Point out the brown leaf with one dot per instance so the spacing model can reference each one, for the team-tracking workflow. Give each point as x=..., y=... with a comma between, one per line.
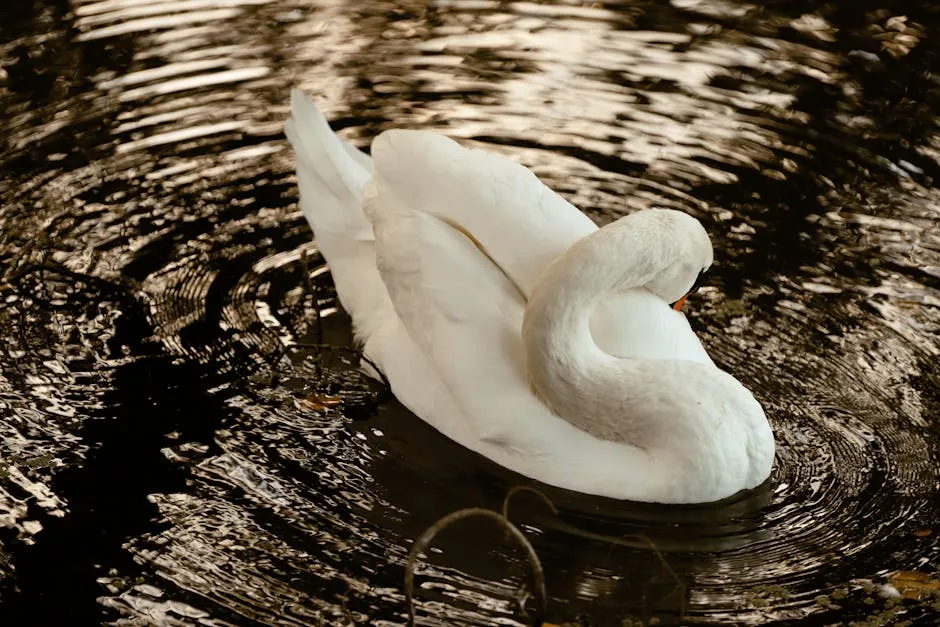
x=914, y=584
x=318, y=402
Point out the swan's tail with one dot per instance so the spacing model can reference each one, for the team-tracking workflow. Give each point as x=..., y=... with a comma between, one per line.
x=331, y=177
x=331, y=174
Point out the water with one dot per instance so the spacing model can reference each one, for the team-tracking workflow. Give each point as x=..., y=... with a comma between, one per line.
x=176, y=451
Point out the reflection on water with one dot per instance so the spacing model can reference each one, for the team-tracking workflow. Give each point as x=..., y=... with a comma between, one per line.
x=168, y=454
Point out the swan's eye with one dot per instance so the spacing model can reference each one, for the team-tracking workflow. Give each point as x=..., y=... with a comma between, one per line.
x=699, y=280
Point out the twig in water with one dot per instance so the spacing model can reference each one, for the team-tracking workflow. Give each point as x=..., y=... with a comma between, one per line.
x=662, y=560
x=41, y=238
x=365, y=358
x=538, y=576
x=314, y=291
x=634, y=537
x=524, y=488
x=358, y=351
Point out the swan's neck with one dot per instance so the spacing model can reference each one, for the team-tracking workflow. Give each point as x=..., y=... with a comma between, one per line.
x=568, y=371
x=689, y=426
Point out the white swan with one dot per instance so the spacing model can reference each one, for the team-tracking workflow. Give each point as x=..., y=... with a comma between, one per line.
x=506, y=319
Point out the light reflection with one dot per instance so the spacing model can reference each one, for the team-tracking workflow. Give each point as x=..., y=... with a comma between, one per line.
x=170, y=137
x=194, y=82
x=154, y=23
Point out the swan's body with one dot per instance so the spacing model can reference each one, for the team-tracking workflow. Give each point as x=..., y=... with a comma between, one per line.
x=505, y=318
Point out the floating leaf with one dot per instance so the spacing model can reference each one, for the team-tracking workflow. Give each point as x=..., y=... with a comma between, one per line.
x=914, y=584
x=318, y=402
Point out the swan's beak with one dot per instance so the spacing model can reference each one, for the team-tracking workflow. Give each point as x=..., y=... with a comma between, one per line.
x=679, y=303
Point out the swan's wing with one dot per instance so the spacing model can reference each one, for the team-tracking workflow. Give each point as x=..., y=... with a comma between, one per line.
x=520, y=223
x=458, y=307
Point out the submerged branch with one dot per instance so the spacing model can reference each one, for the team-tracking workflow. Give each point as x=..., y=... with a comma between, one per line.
x=538, y=576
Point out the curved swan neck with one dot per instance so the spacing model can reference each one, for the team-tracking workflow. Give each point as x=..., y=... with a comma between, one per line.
x=567, y=369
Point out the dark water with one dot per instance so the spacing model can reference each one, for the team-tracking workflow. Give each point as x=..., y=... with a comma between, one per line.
x=167, y=457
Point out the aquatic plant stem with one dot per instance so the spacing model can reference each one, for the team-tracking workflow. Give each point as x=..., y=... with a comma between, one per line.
x=524, y=488
x=538, y=575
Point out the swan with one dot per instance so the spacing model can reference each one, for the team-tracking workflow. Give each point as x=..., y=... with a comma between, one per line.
x=505, y=318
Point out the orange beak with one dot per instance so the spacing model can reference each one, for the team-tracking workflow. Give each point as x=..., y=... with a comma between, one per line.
x=679, y=303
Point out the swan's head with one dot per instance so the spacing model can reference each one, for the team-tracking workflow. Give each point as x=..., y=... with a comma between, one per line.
x=677, y=248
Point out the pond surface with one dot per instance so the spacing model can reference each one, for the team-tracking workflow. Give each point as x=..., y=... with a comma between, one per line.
x=185, y=439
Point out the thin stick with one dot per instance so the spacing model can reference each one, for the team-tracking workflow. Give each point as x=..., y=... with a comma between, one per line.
x=372, y=364
x=538, y=576
x=645, y=539
x=662, y=560
x=362, y=356
x=40, y=238
x=314, y=291
x=524, y=488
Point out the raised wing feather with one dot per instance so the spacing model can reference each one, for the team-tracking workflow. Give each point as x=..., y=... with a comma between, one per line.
x=520, y=223
x=463, y=313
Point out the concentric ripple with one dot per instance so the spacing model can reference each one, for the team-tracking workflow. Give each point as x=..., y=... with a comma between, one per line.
x=187, y=438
